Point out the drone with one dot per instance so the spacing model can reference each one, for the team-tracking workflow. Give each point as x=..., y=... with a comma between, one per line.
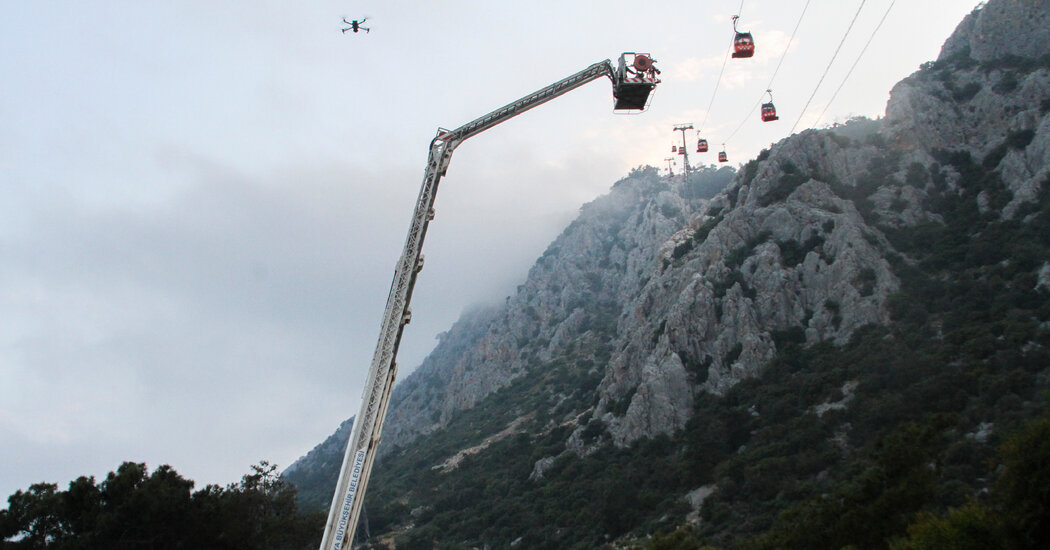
x=355, y=25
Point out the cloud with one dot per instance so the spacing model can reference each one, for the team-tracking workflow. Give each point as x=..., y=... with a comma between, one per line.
x=234, y=300
x=235, y=317
x=693, y=69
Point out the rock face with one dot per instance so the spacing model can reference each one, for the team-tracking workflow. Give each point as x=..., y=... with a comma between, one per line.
x=1000, y=29
x=779, y=252
x=985, y=95
x=664, y=290
x=572, y=297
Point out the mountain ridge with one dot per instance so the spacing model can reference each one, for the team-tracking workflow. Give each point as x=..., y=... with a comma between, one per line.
x=724, y=357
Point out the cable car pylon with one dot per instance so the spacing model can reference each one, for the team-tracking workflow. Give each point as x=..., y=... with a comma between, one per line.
x=682, y=150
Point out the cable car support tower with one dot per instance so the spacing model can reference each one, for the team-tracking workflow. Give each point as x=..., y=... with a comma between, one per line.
x=633, y=79
x=682, y=150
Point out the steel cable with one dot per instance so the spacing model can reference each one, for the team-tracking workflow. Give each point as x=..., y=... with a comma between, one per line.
x=828, y=68
x=854, y=66
x=775, y=71
x=719, y=81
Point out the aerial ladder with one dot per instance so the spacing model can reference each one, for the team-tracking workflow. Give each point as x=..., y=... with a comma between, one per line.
x=633, y=79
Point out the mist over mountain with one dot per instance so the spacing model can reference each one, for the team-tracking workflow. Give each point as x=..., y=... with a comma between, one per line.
x=714, y=355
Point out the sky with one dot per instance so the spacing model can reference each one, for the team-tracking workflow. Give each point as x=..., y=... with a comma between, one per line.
x=203, y=202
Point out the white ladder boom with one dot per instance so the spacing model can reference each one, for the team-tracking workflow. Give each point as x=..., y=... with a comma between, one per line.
x=631, y=89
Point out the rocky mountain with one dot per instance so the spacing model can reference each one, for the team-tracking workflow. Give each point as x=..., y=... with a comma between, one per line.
x=860, y=297
x=570, y=300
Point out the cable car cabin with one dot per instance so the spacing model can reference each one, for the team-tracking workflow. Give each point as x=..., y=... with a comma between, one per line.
x=722, y=157
x=681, y=150
x=769, y=112
x=674, y=148
x=701, y=146
x=633, y=82
x=743, y=45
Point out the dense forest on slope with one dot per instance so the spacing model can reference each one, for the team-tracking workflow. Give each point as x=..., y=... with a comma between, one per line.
x=886, y=502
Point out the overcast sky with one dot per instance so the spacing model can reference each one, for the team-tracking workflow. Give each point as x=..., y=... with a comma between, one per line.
x=203, y=202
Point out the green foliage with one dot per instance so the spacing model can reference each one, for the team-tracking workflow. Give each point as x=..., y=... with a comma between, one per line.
x=959, y=60
x=707, y=181
x=1015, y=515
x=1022, y=65
x=619, y=407
x=879, y=173
x=133, y=508
x=735, y=277
x=1024, y=488
x=670, y=211
x=683, y=248
x=917, y=175
x=1016, y=140
x=790, y=178
x=698, y=369
x=737, y=256
x=792, y=252
x=1020, y=139
x=751, y=167
x=705, y=229
x=865, y=281
x=750, y=171
x=972, y=527
x=1007, y=83
x=641, y=172
x=578, y=504
x=856, y=129
x=733, y=194
x=894, y=482
x=965, y=93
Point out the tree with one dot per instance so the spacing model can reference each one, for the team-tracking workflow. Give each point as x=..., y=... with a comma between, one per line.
x=972, y=527
x=135, y=509
x=33, y=517
x=1024, y=487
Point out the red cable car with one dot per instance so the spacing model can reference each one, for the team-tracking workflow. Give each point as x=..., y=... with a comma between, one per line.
x=674, y=148
x=722, y=157
x=701, y=146
x=769, y=112
x=743, y=42
x=681, y=150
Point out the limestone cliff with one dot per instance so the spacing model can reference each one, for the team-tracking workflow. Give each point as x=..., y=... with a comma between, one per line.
x=570, y=298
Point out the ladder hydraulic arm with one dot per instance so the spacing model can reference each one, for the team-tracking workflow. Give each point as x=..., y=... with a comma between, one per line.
x=631, y=88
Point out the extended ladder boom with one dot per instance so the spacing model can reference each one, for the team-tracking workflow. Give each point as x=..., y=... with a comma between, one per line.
x=632, y=92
